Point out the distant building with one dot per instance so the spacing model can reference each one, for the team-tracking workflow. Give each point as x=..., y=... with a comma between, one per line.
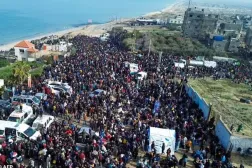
x=176, y=20
x=197, y=24
x=25, y=50
x=247, y=23
x=234, y=45
x=221, y=43
x=231, y=30
x=61, y=47
x=104, y=37
x=143, y=21
x=220, y=46
x=248, y=38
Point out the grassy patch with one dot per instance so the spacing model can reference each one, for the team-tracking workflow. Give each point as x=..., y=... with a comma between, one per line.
x=224, y=95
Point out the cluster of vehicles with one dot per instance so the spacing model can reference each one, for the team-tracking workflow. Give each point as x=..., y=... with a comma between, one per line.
x=134, y=70
x=59, y=87
x=18, y=119
x=20, y=122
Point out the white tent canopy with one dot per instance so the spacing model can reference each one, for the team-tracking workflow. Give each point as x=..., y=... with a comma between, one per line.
x=160, y=136
x=179, y=65
x=209, y=64
x=196, y=63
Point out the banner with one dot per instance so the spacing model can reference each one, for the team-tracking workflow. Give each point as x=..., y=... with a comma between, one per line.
x=160, y=136
x=156, y=106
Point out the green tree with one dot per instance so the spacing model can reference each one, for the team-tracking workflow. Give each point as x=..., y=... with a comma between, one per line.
x=21, y=71
x=4, y=63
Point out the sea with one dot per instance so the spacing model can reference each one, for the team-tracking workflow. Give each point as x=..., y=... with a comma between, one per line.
x=24, y=19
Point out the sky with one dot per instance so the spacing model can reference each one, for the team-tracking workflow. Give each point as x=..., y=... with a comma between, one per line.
x=241, y=3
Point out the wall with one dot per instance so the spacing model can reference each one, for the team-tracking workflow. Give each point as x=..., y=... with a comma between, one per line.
x=223, y=134
x=241, y=142
x=233, y=46
x=226, y=138
x=220, y=45
x=198, y=100
x=31, y=59
x=19, y=55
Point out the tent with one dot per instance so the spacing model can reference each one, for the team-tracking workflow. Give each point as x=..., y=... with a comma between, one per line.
x=160, y=136
x=180, y=65
x=209, y=64
x=196, y=63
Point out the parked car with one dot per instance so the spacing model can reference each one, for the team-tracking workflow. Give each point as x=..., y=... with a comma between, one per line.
x=57, y=90
x=43, y=121
x=53, y=84
x=21, y=115
x=29, y=100
x=5, y=109
x=41, y=96
x=141, y=75
x=20, y=131
x=97, y=92
x=244, y=100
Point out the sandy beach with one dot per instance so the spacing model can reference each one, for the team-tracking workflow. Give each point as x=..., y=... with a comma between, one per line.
x=96, y=30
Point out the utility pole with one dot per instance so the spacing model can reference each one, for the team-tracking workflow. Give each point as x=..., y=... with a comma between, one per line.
x=159, y=60
x=182, y=84
x=149, y=49
x=189, y=4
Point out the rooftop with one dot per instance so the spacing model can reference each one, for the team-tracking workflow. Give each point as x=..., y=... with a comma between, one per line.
x=25, y=44
x=32, y=50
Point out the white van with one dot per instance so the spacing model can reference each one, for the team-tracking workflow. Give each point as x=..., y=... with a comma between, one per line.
x=141, y=75
x=43, y=121
x=133, y=68
x=21, y=116
x=20, y=131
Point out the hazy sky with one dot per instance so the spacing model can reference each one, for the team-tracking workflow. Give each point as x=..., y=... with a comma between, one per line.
x=245, y=3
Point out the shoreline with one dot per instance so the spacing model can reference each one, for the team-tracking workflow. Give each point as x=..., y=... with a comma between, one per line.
x=10, y=45
x=94, y=30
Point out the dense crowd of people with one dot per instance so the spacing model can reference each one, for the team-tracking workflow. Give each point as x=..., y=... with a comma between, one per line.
x=118, y=120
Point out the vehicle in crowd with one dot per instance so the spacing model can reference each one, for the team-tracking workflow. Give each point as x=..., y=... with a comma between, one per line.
x=43, y=121
x=30, y=93
x=53, y=84
x=57, y=90
x=97, y=92
x=30, y=121
x=5, y=108
x=20, y=131
x=21, y=115
x=132, y=67
x=41, y=96
x=141, y=75
x=244, y=100
x=26, y=99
